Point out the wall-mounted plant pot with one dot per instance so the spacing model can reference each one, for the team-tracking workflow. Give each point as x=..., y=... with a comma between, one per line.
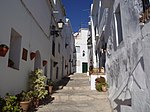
x=32, y=55
x=44, y=62
x=3, y=50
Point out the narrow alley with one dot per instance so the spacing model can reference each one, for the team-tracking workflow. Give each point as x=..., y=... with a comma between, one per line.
x=76, y=96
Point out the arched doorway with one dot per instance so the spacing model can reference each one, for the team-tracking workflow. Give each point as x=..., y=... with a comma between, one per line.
x=37, y=62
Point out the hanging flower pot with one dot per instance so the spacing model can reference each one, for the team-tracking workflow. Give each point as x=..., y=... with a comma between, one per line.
x=32, y=55
x=3, y=50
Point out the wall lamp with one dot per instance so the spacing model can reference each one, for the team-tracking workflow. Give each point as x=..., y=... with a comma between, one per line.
x=60, y=24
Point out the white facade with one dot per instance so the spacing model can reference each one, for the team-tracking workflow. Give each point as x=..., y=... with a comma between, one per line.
x=123, y=26
x=26, y=27
x=81, y=50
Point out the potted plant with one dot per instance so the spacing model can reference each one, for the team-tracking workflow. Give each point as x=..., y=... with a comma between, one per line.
x=50, y=85
x=11, y=104
x=101, y=84
x=37, y=85
x=25, y=99
x=104, y=87
x=3, y=50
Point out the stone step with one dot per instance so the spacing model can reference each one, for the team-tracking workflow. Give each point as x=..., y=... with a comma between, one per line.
x=78, y=96
x=77, y=84
x=80, y=77
x=78, y=92
x=75, y=88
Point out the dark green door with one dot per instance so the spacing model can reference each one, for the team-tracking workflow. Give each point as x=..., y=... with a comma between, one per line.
x=84, y=67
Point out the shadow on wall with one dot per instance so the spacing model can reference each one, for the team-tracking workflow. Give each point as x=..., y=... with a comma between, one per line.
x=119, y=102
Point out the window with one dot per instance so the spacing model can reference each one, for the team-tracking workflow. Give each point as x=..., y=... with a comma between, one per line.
x=118, y=26
x=59, y=47
x=78, y=49
x=54, y=1
x=53, y=48
x=15, y=50
x=146, y=4
x=83, y=53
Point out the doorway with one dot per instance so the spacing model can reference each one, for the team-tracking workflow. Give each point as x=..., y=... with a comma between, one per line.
x=84, y=67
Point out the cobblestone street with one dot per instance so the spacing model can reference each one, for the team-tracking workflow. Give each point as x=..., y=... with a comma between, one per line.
x=76, y=96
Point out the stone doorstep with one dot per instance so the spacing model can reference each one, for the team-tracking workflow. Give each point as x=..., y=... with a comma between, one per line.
x=76, y=88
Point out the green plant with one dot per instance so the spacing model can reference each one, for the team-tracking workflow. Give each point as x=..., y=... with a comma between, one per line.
x=37, y=84
x=100, y=80
x=99, y=86
x=11, y=104
x=25, y=96
x=50, y=82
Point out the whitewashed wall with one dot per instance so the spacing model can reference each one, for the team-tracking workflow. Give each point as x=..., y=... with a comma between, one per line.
x=127, y=65
x=81, y=40
x=32, y=20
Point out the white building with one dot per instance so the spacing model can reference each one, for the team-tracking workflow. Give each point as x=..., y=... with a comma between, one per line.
x=29, y=29
x=81, y=50
x=122, y=29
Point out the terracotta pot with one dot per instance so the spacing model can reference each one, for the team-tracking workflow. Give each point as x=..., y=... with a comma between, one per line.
x=104, y=88
x=44, y=62
x=50, y=89
x=3, y=51
x=25, y=105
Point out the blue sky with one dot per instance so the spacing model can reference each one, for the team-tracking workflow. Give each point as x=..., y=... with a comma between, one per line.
x=78, y=12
